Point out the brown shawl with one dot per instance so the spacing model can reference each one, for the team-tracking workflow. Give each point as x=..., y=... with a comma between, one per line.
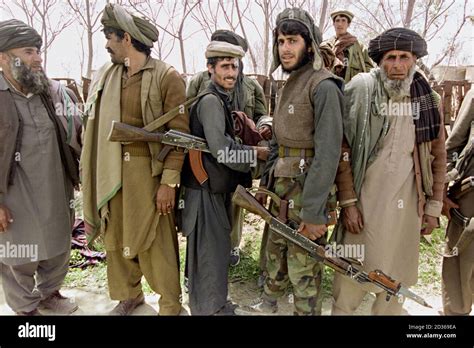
x=342, y=43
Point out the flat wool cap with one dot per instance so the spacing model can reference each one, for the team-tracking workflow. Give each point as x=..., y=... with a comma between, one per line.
x=345, y=13
x=224, y=49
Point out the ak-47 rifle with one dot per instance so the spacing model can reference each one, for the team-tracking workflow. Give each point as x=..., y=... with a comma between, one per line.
x=124, y=133
x=342, y=265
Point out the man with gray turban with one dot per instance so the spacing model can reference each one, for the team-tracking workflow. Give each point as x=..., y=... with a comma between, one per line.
x=128, y=194
x=38, y=172
x=305, y=152
x=396, y=136
x=207, y=219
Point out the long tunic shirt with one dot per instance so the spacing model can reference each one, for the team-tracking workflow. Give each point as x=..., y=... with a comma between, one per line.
x=39, y=196
x=388, y=203
x=207, y=221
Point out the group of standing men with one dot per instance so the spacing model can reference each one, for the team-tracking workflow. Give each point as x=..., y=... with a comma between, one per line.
x=373, y=120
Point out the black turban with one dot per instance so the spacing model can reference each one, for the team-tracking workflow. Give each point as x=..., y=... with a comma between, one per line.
x=230, y=37
x=400, y=39
x=16, y=34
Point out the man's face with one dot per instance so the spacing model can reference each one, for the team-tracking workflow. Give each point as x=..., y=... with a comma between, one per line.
x=341, y=24
x=225, y=73
x=397, y=64
x=291, y=50
x=24, y=66
x=27, y=56
x=116, y=49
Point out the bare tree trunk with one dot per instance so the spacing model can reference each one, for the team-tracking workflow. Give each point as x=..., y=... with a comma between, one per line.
x=183, y=55
x=88, y=16
x=266, y=41
x=90, y=46
x=324, y=10
x=409, y=14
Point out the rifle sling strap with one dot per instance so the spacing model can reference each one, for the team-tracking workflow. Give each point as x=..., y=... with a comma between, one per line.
x=162, y=120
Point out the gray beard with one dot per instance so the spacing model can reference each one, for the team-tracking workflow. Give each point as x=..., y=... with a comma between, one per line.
x=33, y=82
x=397, y=89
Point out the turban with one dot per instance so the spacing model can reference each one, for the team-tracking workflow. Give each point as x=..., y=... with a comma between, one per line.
x=117, y=17
x=344, y=13
x=299, y=15
x=399, y=39
x=16, y=34
x=230, y=37
x=224, y=49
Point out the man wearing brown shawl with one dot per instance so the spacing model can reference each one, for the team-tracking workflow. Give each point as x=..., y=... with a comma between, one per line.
x=39, y=153
x=128, y=194
x=398, y=163
x=351, y=55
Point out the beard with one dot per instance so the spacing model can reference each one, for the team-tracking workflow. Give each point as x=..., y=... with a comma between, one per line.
x=398, y=89
x=34, y=82
x=302, y=61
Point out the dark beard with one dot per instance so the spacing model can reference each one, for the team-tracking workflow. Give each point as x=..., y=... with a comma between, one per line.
x=305, y=59
x=33, y=82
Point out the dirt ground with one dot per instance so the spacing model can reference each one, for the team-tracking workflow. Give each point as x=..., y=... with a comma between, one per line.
x=93, y=300
x=97, y=302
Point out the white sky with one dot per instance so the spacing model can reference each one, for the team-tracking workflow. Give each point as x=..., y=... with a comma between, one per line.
x=64, y=55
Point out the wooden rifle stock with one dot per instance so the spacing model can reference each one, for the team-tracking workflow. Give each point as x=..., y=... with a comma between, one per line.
x=122, y=132
x=245, y=200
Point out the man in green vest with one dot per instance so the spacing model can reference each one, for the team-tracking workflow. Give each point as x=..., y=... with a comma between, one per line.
x=305, y=152
x=351, y=56
x=128, y=194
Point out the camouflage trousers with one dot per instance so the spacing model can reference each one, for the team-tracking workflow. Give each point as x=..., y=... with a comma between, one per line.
x=287, y=262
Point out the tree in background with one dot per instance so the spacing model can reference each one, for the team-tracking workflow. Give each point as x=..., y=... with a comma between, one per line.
x=427, y=17
x=87, y=14
x=39, y=14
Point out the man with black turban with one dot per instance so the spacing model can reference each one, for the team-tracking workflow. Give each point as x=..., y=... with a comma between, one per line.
x=128, y=193
x=398, y=165
x=39, y=152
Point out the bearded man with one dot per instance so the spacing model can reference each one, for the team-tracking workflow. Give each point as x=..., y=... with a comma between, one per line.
x=351, y=56
x=128, y=194
x=39, y=151
x=305, y=152
x=398, y=165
